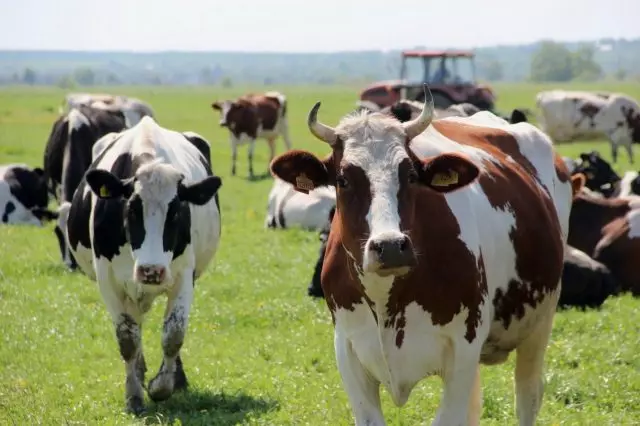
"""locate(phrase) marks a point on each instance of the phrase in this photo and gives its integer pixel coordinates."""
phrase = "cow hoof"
(135, 405)
(161, 387)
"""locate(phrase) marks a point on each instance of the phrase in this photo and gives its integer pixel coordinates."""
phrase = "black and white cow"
(68, 155)
(145, 221)
(23, 195)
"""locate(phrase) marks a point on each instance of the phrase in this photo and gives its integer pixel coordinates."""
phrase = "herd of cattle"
(448, 237)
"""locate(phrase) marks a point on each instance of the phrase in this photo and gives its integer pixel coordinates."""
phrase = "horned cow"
(412, 297)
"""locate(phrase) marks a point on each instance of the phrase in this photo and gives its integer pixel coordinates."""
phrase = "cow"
(68, 154)
(251, 117)
(608, 230)
(24, 198)
(132, 108)
(145, 221)
(601, 177)
(566, 115)
(289, 208)
(406, 109)
(411, 297)
(585, 282)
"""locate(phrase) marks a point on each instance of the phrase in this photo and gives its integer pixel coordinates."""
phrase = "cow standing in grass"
(445, 252)
(251, 117)
(145, 221)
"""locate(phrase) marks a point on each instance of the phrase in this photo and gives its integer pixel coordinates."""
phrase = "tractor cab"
(450, 74)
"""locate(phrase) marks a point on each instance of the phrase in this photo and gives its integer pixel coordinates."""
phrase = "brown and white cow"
(251, 117)
(608, 230)
(445, 252)
(568, 114)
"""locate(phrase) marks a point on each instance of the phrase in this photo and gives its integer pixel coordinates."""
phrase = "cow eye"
(342, 182)
(413, 177)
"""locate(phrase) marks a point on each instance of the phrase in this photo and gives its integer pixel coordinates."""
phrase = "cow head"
(377, 178)
(598, 172)
(231, 112)
(157, 217)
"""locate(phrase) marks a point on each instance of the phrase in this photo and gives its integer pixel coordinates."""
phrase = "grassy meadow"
(258, 349)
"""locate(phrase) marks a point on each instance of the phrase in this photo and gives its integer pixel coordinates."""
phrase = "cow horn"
(319, 130)
(414, 127)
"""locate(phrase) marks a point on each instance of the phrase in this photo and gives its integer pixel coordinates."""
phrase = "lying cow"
(608, 230)
(289, 208)
(566, 115)
(251, 117)
(23, 195)
(411, 298)
(603, 179)
(145, 221)
(133, 109)
(68, 154)
(585, 282)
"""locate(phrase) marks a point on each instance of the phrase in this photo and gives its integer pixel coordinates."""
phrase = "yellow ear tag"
(303, 182)
(104, 192)
(445, 179)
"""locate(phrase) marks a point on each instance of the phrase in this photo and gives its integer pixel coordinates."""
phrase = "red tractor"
(450, 75)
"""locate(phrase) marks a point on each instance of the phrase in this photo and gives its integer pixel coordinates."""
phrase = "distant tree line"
(545, 61)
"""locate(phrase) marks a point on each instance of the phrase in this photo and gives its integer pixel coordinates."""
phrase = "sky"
(306, 26)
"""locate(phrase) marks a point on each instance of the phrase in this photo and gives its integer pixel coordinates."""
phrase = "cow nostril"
(403, 244)
(376, 247)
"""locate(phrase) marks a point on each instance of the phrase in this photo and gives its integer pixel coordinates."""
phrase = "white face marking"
(224, 110)
(156, 185)
(375, 144)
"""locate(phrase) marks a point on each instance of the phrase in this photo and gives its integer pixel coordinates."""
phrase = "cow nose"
(392, 253)
(151, 274)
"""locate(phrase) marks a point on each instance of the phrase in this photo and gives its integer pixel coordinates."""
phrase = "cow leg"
(614, 151)
(129, 336)
(252, 145)
(362, 390)
(171, 375)
(629, 147)
(285, 132)
(475, 402)
(234, 155)
(272, 151)
(529, 366)
(461, 388)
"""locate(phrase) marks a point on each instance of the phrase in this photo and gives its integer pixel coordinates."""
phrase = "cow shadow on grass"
(200, 407)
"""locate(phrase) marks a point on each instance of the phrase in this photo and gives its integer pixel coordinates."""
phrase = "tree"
(490, 70)
(66, 82)
(29, 76)
(583, 66)
(551, 62)
(85, 76)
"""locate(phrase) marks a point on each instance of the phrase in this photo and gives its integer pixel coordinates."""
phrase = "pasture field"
(258, 349)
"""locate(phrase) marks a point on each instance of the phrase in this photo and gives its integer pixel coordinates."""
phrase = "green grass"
(258, 350)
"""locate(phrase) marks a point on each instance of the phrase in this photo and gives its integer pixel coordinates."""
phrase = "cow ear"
(577, 182)
(199, 193)
(106, 186)
(216, 105)
(447, 172)
(302, 169)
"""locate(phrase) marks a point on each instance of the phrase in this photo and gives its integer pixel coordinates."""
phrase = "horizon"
(157, 26)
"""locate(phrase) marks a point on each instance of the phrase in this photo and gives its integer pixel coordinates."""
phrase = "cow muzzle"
(389, 255)
(151, 274)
